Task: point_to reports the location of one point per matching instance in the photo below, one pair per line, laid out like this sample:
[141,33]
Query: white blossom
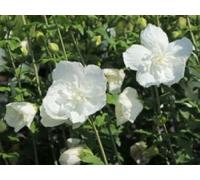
[20,114]
[76,93]
[71,156]
[156,60]
[115,78]
[128,106]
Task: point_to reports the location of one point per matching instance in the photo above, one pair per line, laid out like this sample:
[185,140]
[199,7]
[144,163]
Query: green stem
[33,61]
[114,145]
[77,48]
[38,87]
[46,43]
[164,127]
[52,148]
[99,141]
[60,37]
[157,20]
[35,149]
[191,33]
[45,19]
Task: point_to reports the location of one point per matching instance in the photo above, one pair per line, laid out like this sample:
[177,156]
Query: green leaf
[3,126]
[112,98]
[92,159]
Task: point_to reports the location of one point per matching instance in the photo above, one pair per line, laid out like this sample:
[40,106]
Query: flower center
[79,96]
[159,59]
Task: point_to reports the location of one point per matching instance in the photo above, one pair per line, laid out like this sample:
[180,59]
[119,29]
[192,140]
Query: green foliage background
[27,76]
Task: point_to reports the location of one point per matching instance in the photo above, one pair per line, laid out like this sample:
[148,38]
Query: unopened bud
[176,34]
[182,22]
[39,36]
[24,48]
[53,47]
[141,22]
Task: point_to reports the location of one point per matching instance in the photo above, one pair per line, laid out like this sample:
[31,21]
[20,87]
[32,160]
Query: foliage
[100,40]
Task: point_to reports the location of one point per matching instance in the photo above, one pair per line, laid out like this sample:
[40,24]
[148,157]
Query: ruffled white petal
[48,121]
[145,79]
[178,53]
[68,71]
[128,106]
[115,78]
[20,114]
[154,39]
[93,87]
[180,50]
[135,56]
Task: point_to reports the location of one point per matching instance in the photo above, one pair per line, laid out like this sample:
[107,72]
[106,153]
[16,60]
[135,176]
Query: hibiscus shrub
[99,90]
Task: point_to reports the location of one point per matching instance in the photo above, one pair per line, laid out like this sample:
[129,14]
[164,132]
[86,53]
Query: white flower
[128,106]
[20,114]
[115,79]
[2,61]
[76,93]
[156,60]
[71,156]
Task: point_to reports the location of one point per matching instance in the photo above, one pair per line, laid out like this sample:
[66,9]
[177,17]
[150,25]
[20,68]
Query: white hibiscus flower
[128,106]
[20,114]
[71,156]
[115,79]
[156,60]
[76,93]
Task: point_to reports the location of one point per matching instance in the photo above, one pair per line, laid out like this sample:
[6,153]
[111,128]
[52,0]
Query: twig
[99,141]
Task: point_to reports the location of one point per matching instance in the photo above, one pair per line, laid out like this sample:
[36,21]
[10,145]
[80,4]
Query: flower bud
[39,36]
[129,27]
[176,34]
[137,150]
[24,48]
[53,47]
[141,154]
[141,22]
[71,156]
[97,40]
[182,23]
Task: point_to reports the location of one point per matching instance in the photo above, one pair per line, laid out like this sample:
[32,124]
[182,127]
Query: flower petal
[115,78]
[47,121]
[68,71]
[135,55]
[20,114]
[94,88]
[146,79]
[77,118]
[71,156]
[128,106]
[180,49]
[178,54]
[154,39]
